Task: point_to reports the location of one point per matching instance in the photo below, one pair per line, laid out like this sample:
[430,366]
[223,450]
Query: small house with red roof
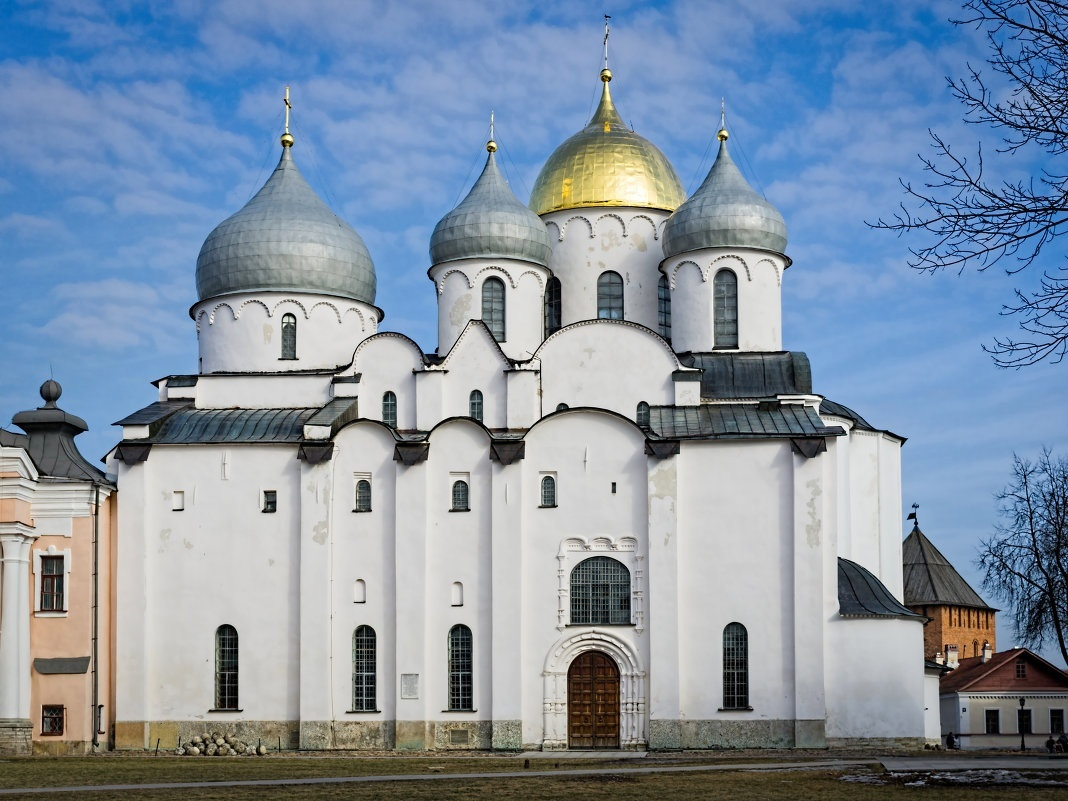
[998,700]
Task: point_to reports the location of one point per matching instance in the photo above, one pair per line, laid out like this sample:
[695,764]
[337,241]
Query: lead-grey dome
[490,222]
[724,212]
[286,238]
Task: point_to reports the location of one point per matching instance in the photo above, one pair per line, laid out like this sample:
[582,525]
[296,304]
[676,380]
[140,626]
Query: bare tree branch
[973,222]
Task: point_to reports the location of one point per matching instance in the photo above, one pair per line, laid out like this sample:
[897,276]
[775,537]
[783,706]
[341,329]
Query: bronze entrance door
[593,702]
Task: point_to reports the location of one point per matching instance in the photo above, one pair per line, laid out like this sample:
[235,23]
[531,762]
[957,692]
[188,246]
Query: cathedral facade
[609,511]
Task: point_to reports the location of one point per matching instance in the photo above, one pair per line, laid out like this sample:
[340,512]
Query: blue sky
[133,128]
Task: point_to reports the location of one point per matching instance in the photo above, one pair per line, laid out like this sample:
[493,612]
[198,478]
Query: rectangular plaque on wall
[409,685]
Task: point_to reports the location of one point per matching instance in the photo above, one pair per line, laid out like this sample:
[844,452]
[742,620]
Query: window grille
[600,592]
[364,663]
[663,307]
[389,409]
[460,496]
[610,296]
[52,575]
[725,309]
[52,719]
[363,496]
[474,405]
[548,491]
[226,667]
[493,307]
[289,336]
[461,669]
[735,667]
[553,307]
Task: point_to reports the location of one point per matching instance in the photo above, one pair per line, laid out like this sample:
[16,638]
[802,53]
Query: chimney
[951,656]
[986,651]
[939,658]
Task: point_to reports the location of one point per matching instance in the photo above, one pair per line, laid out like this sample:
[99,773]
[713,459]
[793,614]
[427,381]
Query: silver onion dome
[287,239]
[725,211]
[490,222]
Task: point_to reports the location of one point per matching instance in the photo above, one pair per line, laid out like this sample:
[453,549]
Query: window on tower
[725,309]
[663,307]
[474,405]
[389,409]
[553,307]
[493,307]
[610,296]
[289,336]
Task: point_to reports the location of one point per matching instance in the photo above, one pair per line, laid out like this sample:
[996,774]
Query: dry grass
[624,784]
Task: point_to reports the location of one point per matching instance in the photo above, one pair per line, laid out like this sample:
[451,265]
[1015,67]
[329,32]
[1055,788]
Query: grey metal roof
[930,579]
[828,406]
[49,439]
[202,426]
[751,375]
[861,594]
[490,222]
[738,421]
[285,238]
[153,413]
[725,211]
[336,414]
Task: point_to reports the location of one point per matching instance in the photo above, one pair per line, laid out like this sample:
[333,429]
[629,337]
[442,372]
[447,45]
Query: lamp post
[1019,725]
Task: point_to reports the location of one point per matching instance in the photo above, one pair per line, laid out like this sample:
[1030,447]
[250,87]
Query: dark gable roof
[861,594]
[930,579]
[999,674]
[49,442]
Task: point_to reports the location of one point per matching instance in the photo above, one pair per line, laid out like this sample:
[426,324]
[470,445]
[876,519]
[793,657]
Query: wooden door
[593,702]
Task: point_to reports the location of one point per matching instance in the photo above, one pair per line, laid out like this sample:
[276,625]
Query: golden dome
[606,164]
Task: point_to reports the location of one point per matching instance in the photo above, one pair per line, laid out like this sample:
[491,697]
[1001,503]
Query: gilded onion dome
[606,164]
[286,239]
[725,211]
[490,222]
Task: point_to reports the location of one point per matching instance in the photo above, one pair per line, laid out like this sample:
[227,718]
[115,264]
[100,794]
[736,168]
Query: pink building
[57,534]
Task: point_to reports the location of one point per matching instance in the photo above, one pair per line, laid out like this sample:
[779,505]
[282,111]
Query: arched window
[457,593]
[364,664]
[548,491]
[474,405]
[363,496]
[359,591]
[289,336]
[553,308]
[461,669]
[600,592]
[725,309]
[493,307]
[641,415]
[226,667]
[389,409]
[610,296]
[460,497]
[663,307]
[735,667]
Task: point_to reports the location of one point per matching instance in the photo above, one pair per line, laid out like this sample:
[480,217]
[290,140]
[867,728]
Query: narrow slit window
[641,414]
[270,501]
[725,309]
[226,667]
[493,307]
[663,307]
[363,496]
[735,667]
[553,307]
[289,336]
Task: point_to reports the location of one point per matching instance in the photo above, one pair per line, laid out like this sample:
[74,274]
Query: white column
[15,544]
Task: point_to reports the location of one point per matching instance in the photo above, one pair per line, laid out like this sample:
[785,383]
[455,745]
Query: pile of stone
[216,744]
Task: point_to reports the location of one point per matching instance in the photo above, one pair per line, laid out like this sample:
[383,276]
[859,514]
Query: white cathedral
[608,512]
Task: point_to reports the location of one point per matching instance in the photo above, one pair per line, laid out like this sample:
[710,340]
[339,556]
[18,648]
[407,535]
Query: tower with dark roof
[960,620]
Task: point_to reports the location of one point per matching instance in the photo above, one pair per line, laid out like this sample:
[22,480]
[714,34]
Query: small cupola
[491,222]
[725,212]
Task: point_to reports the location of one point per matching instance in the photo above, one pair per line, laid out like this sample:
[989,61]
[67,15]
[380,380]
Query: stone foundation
[16,736]
[143,735]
